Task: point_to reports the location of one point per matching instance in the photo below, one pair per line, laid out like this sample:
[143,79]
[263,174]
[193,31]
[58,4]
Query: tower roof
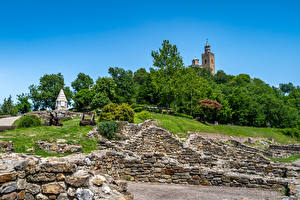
[61,96]
[206,44]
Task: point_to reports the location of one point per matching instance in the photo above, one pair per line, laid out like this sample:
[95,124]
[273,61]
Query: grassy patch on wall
[286,160]
[24,138]
[180,126]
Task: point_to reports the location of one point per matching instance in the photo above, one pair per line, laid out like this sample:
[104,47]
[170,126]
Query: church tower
[208,59]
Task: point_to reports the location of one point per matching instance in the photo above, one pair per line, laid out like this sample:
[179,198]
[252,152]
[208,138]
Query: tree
[8,107]
[168,63]
[107,86]
[82,81]
[23,104]
[45,93]
[209,109]
[286,88]
[140,76]
[124,82]
[221,77]
[82,99]
[99,100]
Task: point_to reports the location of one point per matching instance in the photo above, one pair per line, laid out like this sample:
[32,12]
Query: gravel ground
[8,121]
[151,191]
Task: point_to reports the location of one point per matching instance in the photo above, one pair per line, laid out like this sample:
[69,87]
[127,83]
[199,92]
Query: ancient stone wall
[32,177]
[153,154]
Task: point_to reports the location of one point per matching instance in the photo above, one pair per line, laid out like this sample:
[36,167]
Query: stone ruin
[32,177]
[153,154]
[149,154]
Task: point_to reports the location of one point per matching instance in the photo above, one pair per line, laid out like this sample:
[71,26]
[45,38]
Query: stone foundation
[32,177]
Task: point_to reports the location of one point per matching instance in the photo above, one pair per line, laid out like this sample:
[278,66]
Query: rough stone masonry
[147,153]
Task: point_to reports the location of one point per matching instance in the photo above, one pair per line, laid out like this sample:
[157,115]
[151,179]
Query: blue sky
[260,38]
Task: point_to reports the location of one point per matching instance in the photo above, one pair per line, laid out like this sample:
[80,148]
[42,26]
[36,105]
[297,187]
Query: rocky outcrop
[32,177]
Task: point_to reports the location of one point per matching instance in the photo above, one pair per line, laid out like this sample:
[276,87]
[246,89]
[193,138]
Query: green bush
[28,121]
[108,129]
[165,112]
[292,132]
[144,115]
[184,115]
[117,112]
[138,109]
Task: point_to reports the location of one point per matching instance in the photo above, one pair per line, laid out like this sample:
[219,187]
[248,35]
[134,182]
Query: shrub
[165,112]
[292,132]
[108,129]
[138,109]
[184,115]
[144,115]
[28,121]
[119,112]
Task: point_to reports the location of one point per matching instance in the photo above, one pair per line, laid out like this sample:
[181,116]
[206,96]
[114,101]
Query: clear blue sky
[260,38]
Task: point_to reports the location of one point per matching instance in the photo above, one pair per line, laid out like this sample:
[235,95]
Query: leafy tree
[124,82]
[107,86]
[99,100]
[140,76]
[168,63]
[144,88]
[82,99]
[221,77]
[209,109]
[8,107]
[45,93]
[286,88]
[23,105]
[82,81]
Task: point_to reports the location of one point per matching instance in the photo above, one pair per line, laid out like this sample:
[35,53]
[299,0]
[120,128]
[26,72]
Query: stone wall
[31,177]
[153,154]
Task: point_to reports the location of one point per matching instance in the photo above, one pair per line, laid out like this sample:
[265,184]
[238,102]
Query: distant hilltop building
[61,101]
[208,60]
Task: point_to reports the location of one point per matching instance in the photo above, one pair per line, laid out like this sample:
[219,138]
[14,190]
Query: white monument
[61,101]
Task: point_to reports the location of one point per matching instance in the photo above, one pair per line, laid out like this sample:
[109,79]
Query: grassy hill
[180,126]
[24,138]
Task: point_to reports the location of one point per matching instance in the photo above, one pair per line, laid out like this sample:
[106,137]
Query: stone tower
[61,101]
[195,62]
[208,59]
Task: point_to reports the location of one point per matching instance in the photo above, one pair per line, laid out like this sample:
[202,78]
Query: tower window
[205,61]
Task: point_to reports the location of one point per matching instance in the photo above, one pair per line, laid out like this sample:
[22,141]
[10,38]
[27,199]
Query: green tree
[45,93]
[23,103]
[8,107]
[221,77]
[82,99]
[107,86]
[82,81]
[168,63]
[99,100]
[286,88]
[124,82]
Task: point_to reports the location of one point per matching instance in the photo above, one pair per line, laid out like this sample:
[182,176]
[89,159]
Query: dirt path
[151,191]
[8,121]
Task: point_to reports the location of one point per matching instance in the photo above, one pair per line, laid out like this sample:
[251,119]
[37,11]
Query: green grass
[286,160]
[24,138]
[180,127]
